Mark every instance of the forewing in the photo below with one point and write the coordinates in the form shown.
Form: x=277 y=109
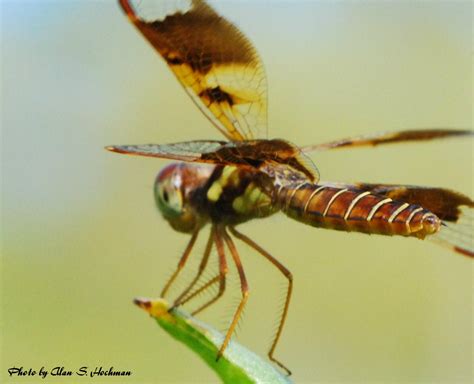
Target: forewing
x=281 y=161
x=214 y=62
x=390 y=138
x=190 y=151
x=455 y=210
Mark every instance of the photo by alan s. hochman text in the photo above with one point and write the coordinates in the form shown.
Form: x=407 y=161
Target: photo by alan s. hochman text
x=62 y=371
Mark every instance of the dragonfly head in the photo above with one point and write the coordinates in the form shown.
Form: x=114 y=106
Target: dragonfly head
x=173 y=189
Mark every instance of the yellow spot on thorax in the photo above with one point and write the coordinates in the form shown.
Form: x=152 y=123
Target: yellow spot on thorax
x=216 y=189
x=253 y=198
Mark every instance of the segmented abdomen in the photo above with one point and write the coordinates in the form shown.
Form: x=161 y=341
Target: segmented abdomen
x=345 y=209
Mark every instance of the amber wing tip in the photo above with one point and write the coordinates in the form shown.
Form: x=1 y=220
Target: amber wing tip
x=127 y=8
x=114 y=148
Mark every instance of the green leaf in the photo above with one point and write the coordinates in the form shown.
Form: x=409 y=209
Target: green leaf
x=237 y=365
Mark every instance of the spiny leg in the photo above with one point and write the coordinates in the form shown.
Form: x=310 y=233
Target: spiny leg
x=288 y=275
x=181 y=263
x=221 y=278
x=244 y=288
x=201 y=289
x=202 y=267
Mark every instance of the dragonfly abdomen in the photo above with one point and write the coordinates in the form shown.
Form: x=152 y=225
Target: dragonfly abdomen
x=345 y=209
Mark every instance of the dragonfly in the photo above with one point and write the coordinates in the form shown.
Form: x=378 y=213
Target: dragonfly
x=225 y=183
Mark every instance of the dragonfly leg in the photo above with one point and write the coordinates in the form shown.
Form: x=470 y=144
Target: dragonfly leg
x=181 y=263
x=202 y=267
x=289 y=277
x=221 y=278
x=244 y=288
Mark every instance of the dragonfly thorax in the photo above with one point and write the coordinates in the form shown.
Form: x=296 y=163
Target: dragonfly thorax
x=188 y=195
x=173 y=188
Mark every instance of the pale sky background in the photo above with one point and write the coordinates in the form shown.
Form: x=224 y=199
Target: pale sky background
x=81 y=236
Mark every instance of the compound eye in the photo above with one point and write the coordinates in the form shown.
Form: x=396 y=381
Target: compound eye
x=166 y=197
x=169 y=197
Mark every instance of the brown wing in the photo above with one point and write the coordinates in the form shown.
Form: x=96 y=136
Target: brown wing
x=444 y=203
x=390 y=138
x=214 y=62
x=454 y=209
x=279 y=159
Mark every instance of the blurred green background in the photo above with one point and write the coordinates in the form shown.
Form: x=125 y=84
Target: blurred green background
x=81 y=236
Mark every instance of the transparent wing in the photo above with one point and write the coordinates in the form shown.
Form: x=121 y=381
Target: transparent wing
x=190 y=151
x=279 y=159
x=214 y=62
x=389 y=138
x=458 y=235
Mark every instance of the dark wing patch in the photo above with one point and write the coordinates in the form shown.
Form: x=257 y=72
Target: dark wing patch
x=390 y=138
x=455 y=210
x=215 y=63
x=279 y=159
x=444 y=203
